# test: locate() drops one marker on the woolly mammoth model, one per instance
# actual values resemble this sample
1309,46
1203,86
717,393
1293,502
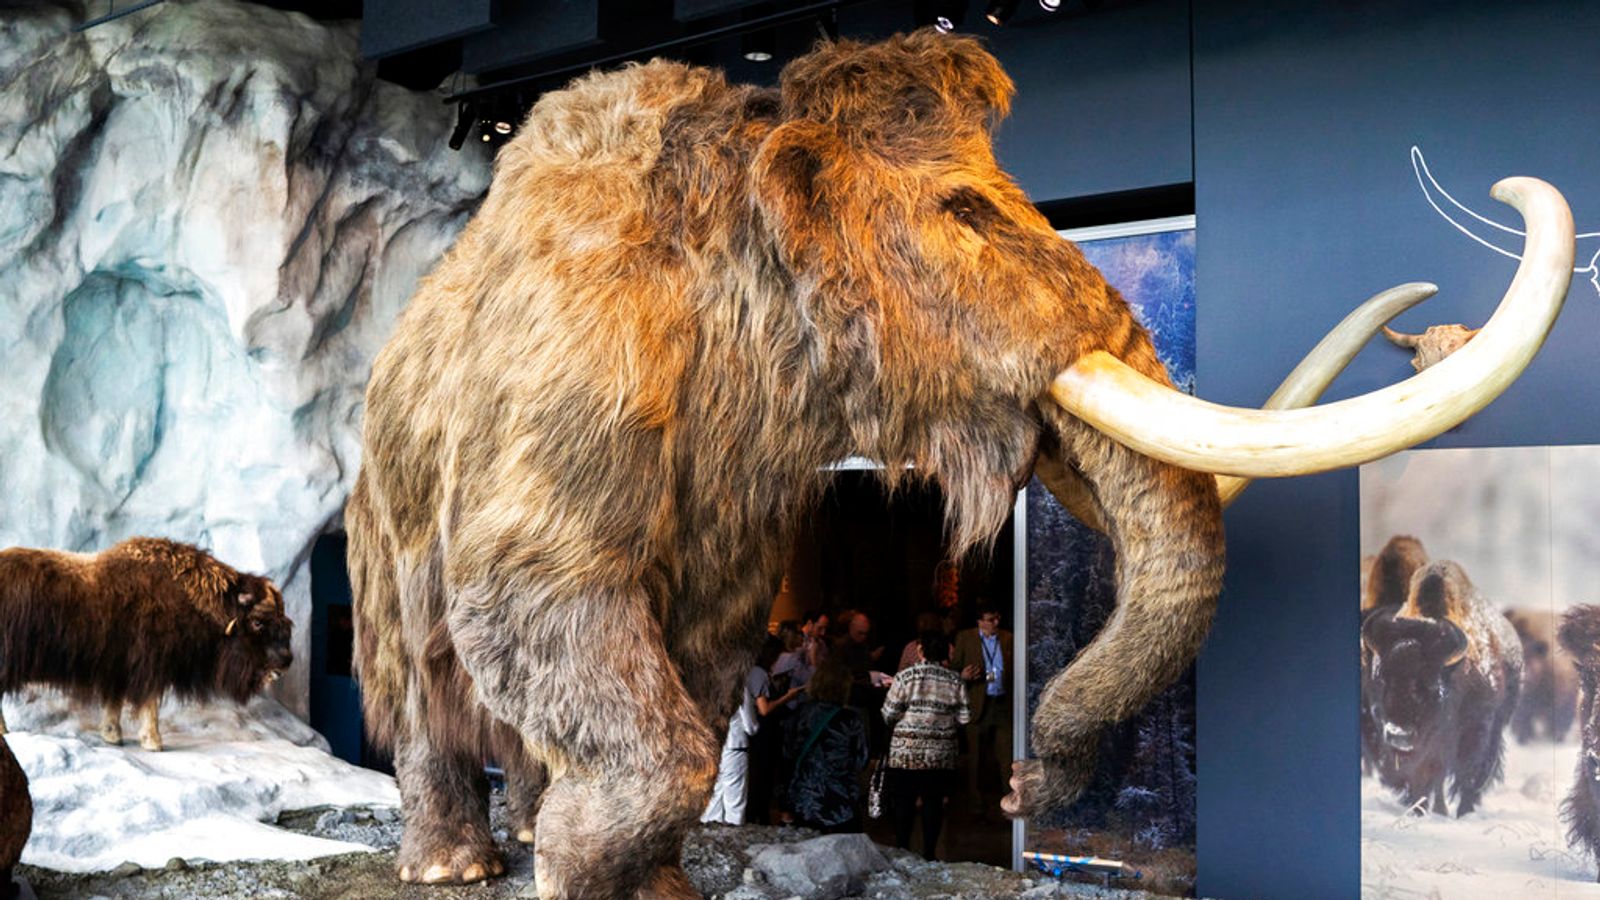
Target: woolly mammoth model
591,439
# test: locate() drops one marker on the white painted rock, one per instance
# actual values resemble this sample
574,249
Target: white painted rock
823,868
211,213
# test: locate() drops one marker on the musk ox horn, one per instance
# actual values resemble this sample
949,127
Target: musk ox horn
228,632
1400,338
1173,427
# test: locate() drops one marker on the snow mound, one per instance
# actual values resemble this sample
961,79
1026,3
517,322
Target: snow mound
1512,846
225,775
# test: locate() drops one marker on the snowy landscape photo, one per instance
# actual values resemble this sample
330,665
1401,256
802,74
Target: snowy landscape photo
1504,543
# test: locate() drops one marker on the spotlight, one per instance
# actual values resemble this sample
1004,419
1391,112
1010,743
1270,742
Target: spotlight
757,46
1049,5
944,15
463,126
501,127
486,137
1000,10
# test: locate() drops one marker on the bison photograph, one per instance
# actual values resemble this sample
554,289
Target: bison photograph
1580,636
599,420
135,621
1446,669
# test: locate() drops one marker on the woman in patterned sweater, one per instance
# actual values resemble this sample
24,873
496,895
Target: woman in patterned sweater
926,705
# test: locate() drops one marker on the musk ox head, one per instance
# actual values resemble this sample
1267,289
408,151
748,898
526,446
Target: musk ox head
255,641
1413,662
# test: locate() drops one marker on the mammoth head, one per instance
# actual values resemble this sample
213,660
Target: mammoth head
256,638
1413,661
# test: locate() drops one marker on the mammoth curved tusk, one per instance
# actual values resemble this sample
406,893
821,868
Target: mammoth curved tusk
1304,385
1171,426
1400,338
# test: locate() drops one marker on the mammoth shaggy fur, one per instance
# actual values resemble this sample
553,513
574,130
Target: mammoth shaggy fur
130,623
598,425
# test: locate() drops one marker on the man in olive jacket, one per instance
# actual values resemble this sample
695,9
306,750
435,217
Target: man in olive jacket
983,657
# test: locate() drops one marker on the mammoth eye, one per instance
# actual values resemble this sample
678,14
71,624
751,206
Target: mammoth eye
970,208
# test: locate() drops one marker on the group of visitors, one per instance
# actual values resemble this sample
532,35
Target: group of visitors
815,711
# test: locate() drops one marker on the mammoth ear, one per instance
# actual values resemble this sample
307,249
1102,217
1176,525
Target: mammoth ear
789,177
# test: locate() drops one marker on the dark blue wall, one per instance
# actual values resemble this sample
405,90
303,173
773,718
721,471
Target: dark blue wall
1306,203
1300,126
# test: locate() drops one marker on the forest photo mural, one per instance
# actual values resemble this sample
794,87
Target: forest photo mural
1140,808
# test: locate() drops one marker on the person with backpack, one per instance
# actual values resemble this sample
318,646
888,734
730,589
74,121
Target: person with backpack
827,742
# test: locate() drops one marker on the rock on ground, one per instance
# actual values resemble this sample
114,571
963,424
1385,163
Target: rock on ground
211,214
718,858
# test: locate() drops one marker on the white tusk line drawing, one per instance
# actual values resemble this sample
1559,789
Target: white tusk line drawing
1431,187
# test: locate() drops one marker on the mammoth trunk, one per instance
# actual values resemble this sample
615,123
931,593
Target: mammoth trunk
1165,524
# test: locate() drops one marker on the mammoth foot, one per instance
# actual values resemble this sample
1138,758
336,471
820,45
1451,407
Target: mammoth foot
1040,785
464,864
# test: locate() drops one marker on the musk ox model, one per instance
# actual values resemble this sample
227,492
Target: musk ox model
130,623
16,815
590,441
1580,637
1446,671
1549,698
1385,582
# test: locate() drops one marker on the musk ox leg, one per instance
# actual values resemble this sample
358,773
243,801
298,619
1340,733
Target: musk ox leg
149,725
445,797
588,683
111,723
3,729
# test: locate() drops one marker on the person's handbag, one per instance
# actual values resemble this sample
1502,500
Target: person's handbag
875,789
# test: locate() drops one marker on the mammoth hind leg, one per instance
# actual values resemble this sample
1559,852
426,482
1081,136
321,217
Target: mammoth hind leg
445,794
588,684
526,778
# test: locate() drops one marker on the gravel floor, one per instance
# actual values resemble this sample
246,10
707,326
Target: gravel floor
716,858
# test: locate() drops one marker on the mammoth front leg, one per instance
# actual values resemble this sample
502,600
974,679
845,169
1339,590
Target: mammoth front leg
588,684
1165,525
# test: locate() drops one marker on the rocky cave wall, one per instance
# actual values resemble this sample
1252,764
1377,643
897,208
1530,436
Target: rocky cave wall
211,214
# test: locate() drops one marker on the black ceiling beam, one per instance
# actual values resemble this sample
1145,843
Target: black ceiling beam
682,42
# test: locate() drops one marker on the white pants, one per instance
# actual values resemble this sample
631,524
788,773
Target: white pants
732,790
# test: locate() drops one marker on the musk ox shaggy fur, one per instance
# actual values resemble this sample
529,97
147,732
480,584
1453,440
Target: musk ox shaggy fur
1446,670
16,815
132,622
591,440
1580,637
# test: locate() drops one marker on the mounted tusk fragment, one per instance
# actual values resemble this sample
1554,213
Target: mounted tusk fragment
1171,426
1304,386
